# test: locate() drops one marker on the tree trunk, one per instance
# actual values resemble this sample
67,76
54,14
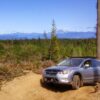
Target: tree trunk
98,29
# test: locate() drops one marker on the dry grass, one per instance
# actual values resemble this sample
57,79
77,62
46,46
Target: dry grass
9,71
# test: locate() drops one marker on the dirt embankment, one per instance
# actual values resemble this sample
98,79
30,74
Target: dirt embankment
28,87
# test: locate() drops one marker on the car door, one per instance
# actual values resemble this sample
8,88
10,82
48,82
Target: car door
87,71
96,69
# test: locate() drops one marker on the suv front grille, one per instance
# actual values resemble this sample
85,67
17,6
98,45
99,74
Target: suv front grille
52,72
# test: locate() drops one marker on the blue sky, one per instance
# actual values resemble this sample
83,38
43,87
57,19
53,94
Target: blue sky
37,15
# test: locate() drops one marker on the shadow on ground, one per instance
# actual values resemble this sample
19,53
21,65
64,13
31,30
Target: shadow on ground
60,87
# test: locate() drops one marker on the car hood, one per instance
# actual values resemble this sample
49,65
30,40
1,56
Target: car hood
62,68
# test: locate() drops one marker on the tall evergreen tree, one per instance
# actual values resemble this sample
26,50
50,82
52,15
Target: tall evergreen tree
54,50
53,31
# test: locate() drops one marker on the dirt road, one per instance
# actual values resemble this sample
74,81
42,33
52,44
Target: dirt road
28,87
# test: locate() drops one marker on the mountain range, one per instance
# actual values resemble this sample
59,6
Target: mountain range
60,35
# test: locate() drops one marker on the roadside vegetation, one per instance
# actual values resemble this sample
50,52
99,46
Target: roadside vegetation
35,51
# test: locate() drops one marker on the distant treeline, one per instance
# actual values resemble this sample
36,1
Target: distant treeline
16,51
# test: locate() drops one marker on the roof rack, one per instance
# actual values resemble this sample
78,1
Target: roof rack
83,57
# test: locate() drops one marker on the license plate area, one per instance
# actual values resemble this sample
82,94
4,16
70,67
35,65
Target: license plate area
50,80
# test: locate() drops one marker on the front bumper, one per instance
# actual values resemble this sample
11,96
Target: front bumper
58,79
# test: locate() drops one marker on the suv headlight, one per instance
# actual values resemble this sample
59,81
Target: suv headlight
64,72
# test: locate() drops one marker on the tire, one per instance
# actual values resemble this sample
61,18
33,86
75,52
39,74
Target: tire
81,84
76,82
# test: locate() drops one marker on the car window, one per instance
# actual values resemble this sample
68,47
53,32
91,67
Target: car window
71,62
87,63
96,63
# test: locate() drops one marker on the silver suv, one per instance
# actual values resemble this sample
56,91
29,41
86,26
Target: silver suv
73,71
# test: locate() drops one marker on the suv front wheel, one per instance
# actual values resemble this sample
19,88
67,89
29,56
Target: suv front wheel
76,82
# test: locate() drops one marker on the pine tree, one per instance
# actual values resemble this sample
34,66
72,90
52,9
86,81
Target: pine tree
53,31
54,50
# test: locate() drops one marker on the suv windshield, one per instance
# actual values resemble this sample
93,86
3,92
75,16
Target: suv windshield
71,62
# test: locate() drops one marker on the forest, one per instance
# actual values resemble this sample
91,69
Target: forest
16,56
16,51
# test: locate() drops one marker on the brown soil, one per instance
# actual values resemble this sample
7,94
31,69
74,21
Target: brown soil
28,87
